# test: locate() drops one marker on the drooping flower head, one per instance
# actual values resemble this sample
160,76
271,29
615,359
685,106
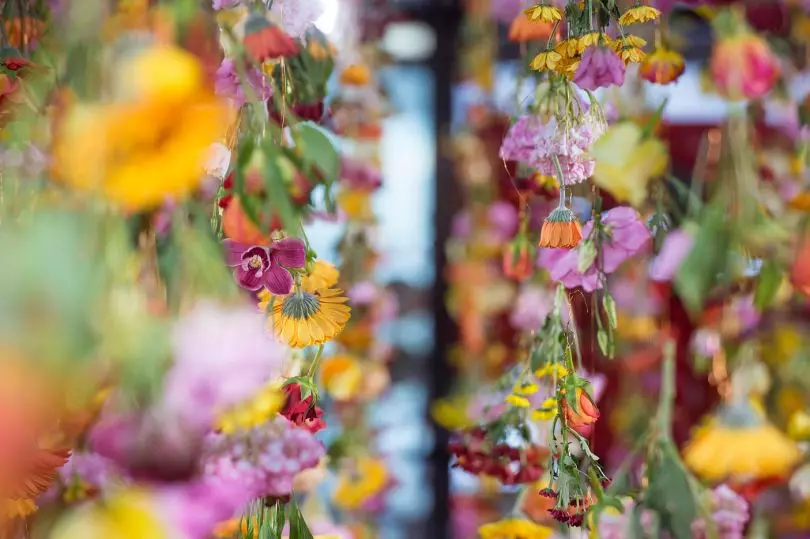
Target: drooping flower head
600,67
663,66
258,267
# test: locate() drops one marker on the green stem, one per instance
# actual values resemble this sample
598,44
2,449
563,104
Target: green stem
313,368
665,405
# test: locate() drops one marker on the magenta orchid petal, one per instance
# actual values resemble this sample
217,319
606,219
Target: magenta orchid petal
234,251
248,279
253,264
289,253
278,280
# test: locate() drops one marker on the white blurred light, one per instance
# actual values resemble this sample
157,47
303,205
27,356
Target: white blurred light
409,40
328,19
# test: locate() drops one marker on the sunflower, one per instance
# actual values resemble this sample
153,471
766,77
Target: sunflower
137,164
304,317
639,13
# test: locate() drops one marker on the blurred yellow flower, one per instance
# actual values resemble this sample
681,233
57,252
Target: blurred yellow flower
741,444
544,13
639,13
125,516
356,203
625,163
799,426
547,410
451,413
151,142
517,401
514,528
367,478
257,411
551,369
526,389
341,377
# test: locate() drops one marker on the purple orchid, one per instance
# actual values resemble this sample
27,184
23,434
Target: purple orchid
256,266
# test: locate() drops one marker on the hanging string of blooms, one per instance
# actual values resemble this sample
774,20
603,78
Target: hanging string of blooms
699,303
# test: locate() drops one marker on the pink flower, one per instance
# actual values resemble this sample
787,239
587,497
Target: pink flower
744,66
297,15
674,251
532,307
193,509
600,67
505,11
363,293
503,217
730,514
536,143
225,4
222,356
627,236
228,84
359,175
256,266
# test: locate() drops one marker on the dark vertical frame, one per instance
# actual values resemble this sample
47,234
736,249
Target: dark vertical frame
444,16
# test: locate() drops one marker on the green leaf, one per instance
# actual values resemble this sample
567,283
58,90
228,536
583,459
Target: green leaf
770,279
609,305
706,261
298,527
279,199
587,254
318,150
670,494
602,339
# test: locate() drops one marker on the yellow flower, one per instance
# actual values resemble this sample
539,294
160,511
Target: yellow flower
568,48
257,411
546,61
128,515
356,203
514,528
544,13
629,41
625,163
366,479
304,318
551,369
740,445
632,55
636,328
588,40
323,275
341,377
149,145
526,389
639,13
568,67
517,401
547,410
451,413
799,426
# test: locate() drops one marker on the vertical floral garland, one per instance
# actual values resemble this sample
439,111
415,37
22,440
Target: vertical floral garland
578,48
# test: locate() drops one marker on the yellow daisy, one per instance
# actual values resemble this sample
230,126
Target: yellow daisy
632,55
639,13
546,61
588,40
517,401
629,41
547,410
568,48
544,13
305,318
551,369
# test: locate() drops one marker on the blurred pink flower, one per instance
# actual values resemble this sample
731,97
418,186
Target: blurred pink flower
600,67
730,514
505,11
674,251
222,356
503,217
225,4
194,509
532,307
228,84
363,293
297,15
359,175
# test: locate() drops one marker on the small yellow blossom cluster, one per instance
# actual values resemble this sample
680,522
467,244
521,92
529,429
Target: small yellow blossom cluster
521,391
257,411
514,528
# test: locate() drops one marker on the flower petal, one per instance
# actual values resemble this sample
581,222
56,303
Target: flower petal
278,280
234,251
289,253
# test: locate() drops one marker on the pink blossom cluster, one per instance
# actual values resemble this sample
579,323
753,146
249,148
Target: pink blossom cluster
729,514
359,175
536,142
222,357
627,236
264,460
228,84
92,470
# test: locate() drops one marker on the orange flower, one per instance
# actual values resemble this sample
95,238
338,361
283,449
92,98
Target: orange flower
561,229
523,30
22,30
267,41
237,225
663,66
517,260
800,272
585,414
355,75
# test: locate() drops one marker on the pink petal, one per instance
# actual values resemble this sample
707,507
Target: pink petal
289,253
234,251
278,280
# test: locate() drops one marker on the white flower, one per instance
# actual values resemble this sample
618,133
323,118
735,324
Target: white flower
218,161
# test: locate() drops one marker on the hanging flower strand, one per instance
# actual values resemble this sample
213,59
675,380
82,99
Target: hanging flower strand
561,229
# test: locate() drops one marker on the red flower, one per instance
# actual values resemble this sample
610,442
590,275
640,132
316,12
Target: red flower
303,412
267,41
15,63
585,414
518,262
